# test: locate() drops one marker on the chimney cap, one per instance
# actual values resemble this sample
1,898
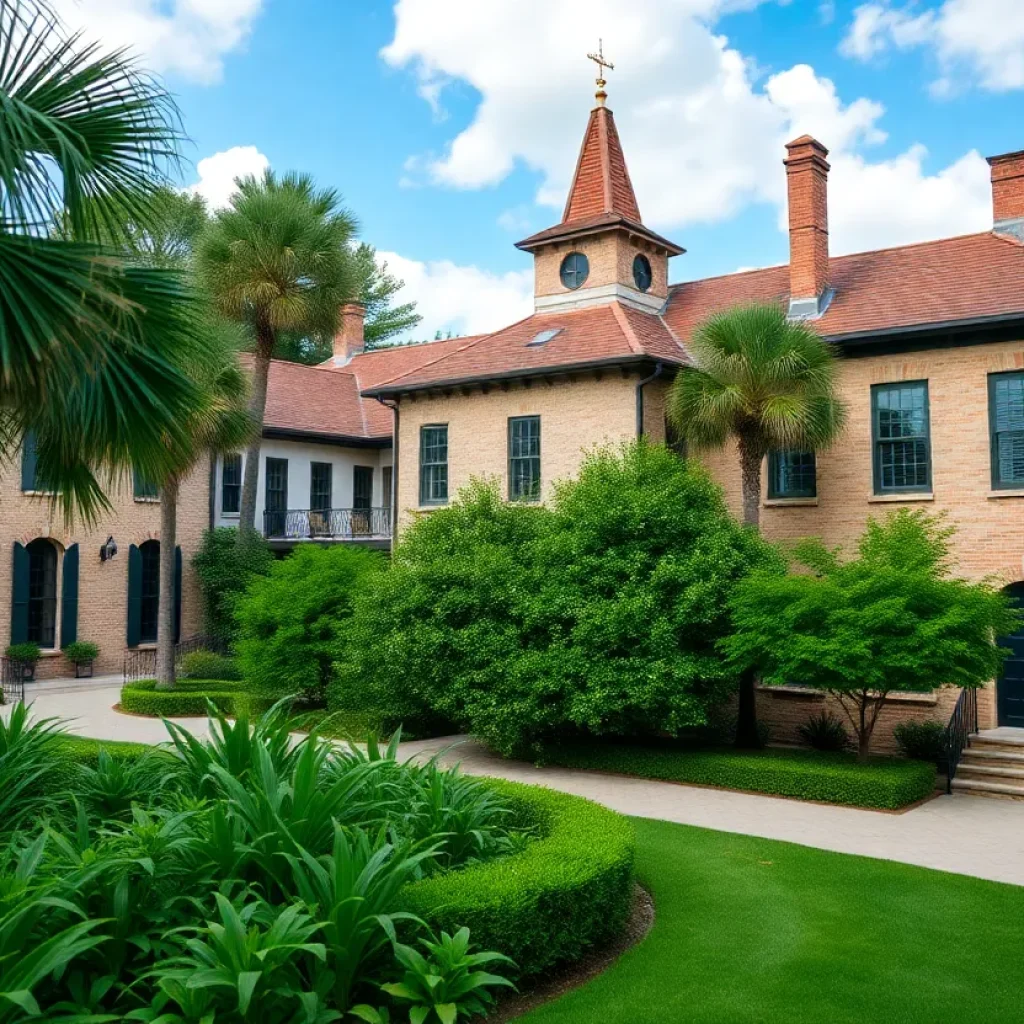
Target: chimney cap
353,307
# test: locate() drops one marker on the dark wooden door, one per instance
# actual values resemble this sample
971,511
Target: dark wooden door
1010,688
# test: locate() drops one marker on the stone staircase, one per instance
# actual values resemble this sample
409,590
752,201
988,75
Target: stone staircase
993,765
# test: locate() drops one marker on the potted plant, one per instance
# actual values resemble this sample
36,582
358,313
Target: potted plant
83,654
26,655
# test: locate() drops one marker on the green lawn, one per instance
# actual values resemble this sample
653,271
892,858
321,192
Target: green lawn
750,931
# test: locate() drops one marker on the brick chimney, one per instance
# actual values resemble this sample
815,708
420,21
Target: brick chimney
1008,194
349,340
807,182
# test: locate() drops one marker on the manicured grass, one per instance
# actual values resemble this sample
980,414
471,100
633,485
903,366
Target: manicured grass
751,931
886,783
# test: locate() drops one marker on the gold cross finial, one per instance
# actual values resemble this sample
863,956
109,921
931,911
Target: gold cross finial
598,59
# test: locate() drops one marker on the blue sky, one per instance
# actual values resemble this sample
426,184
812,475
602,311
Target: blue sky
450,126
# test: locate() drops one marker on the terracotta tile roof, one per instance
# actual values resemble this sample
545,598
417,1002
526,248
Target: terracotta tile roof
312,400
601,183
607,333
380,364
965,278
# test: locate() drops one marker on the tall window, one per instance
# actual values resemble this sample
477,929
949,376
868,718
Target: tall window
901,437
362,487
434,465
320,486
42,593
143,489
275,500
524,458
29,473
231,485
386,479
149,594
792,475
1006,420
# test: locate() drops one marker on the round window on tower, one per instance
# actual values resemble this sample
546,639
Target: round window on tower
575,268
642,272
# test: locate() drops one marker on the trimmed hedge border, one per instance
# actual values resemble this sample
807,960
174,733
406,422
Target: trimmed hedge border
882,783
187,699
566,892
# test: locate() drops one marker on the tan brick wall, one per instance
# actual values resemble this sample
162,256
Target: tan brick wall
574,417
102,586
990,527
611,262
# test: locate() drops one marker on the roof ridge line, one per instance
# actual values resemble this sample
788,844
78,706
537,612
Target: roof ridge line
606,160
475,340
627,328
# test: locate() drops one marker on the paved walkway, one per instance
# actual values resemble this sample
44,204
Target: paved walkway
964,834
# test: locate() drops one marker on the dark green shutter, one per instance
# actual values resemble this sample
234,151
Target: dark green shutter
69,598
28,463
177,595
134,596
19,602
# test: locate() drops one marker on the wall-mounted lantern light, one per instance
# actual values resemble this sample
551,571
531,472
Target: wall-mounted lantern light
108,550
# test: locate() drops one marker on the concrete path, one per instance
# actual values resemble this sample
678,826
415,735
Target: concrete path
965,834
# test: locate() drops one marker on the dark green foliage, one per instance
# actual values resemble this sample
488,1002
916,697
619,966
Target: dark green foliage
81,651
291,622
225,565
825,731
188,698
28,652
886,783
208,665
598,614
27,766
925,741
563,895
891,618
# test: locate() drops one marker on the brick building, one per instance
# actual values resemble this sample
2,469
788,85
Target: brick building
932,337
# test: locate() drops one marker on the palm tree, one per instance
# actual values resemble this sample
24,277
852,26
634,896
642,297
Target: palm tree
219,423
89,345
279,261
769,383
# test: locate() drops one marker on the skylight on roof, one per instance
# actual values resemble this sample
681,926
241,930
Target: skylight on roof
543,338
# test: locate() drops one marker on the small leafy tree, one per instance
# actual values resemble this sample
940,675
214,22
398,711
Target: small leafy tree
891,618
290,622
225,568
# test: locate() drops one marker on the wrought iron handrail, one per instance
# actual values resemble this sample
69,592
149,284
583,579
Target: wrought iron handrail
12,679
141,664
962,723
328,524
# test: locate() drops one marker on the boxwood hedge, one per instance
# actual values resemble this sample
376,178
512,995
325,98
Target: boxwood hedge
567,891
188,697
884,783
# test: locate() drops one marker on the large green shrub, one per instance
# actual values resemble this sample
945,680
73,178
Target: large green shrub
291,622
209,665
886,783
225,566
893,617
566,893
598,614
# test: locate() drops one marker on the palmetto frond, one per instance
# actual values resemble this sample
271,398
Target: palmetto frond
761,375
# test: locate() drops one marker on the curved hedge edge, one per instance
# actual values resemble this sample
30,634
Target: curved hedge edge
883,784
186,700
564,894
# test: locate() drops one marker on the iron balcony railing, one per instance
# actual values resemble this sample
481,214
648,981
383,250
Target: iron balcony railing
328,524
962,724
12,679
141,664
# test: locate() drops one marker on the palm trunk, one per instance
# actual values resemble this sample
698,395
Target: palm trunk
257,407
751,455
165,677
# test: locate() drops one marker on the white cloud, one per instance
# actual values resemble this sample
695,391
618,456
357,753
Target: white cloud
185,37
974,40
702,136
217,173
463,299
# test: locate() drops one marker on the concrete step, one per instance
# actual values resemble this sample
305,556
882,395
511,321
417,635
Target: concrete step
975,787
975,755
1007,744
1010,776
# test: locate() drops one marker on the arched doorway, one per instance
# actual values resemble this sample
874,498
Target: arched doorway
1010,688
